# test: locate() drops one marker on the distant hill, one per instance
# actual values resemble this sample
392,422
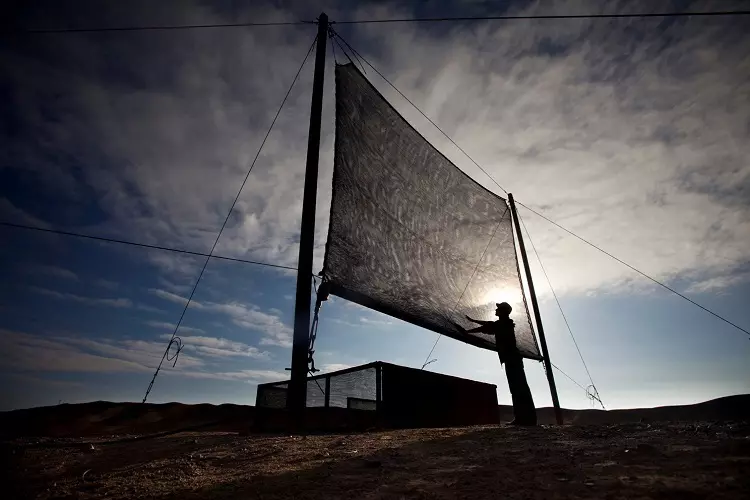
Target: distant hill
106,418
721,409
102,418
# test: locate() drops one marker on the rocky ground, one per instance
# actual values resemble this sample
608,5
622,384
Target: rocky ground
628,461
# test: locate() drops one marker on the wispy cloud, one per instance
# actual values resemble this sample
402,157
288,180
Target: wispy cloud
108,302
343,322
364,321
249,376
332,367
249,316
142,352
147,308
10,211
354,305
174,287
219,347
164,325
271,326
375,322
55,271
178,267
37,353
40,353
718,283
173,297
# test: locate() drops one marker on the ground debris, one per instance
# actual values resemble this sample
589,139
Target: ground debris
655,460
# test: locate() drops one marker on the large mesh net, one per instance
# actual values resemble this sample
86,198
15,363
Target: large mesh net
410,234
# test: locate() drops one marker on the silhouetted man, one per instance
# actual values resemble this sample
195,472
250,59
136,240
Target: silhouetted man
505,340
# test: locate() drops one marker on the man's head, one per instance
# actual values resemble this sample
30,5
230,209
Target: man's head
503,310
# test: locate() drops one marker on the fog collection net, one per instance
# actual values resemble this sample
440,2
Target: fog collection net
410,234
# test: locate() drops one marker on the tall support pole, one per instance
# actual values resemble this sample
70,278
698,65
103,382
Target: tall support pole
297,396
535,307
379,388
327,400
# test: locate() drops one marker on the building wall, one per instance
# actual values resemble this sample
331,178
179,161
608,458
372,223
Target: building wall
409,398
418,398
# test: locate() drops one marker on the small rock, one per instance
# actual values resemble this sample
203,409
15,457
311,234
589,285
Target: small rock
608,463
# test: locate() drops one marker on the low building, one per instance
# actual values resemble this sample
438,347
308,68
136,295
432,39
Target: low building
382,394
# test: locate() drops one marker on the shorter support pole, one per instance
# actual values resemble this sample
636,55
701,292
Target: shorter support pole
378,389
535,307
379,393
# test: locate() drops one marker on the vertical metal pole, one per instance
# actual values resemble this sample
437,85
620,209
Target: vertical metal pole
298,383
535,307
378,386
379,393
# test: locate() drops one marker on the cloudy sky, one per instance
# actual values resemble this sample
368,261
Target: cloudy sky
633,133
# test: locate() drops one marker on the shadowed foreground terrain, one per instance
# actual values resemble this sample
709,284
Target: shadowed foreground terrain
646,459
605,461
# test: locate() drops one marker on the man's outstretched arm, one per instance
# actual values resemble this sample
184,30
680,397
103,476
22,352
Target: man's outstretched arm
480,329
479,321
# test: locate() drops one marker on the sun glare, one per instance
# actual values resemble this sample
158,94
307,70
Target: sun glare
496,295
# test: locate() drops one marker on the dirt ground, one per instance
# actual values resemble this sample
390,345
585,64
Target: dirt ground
628,461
